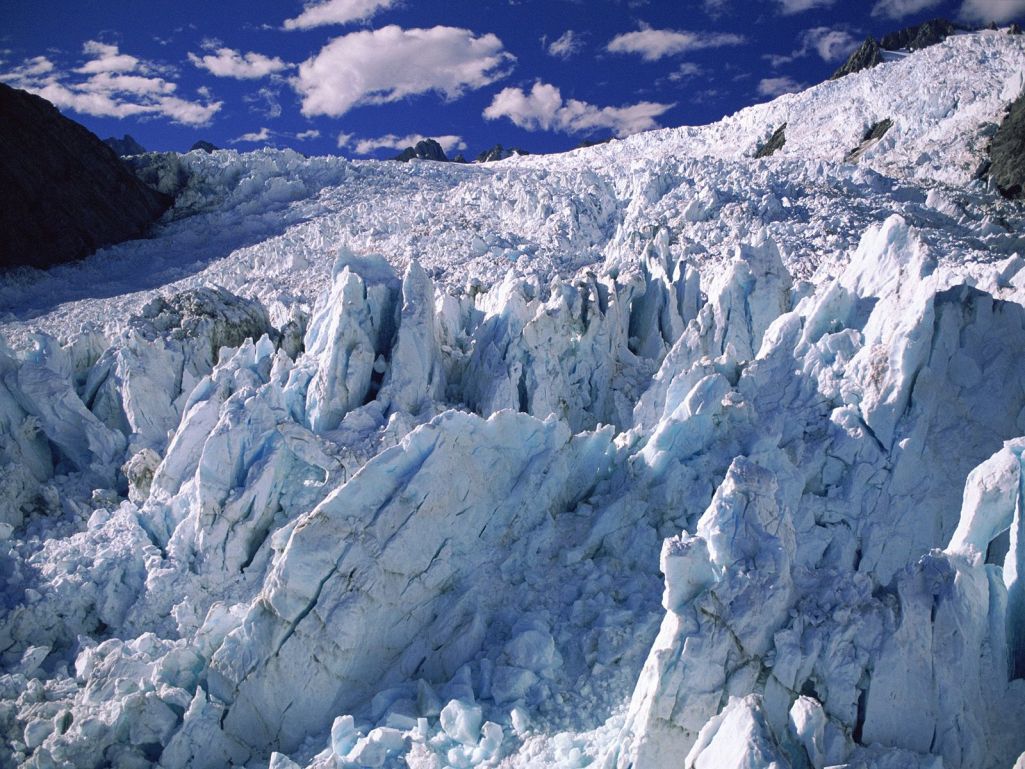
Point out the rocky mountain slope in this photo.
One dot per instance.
(63, 192)
(650, 454)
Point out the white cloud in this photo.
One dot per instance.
(393, 142)
(337, 12)
(544, 109)
(227, 62)
(313, 133)
(118, 86)
(777, 86)
(985, 11)
(898, 9)
(686, 71)
(788, 7)
(262, 135)
(565, 46)
(654, 44)
(264, 102)
(106, 58)
(391, 63)
(830, 44)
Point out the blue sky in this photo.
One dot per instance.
(364, 78)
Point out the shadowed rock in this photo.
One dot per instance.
(428, 149)
(872, 136)
(125, 146)
(1007, 152)
(63, 192)
(775, 143)
(908, 39)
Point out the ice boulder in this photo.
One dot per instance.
(140, 384)
(393, 574)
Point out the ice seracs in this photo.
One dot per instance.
(649, 455)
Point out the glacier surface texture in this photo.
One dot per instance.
(645, 456)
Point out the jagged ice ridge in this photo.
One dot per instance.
(646, 455)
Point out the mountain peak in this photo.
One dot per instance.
(425, 149)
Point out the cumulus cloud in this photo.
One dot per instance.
(313, 133)
(985, 11)
(118, 86)
(653, 44)
(106, 58)
(545, 109)
(337, 12)
(227, 62)
(777, 86)
(391, 63)
(565, 46)
(394, 142)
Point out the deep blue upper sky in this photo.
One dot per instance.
(360, 77)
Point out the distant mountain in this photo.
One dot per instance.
(125, 146)
(428, 149)
(912, 38)
(63, 192)
(498, 152)
(205, 146)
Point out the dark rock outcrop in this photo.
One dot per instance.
(918, 37)
(498, 152)
(63, 192)
(866, 57)
(1014, 29)
(908, 39)
(775, 143)
(205, 146)
(1007, 152)
(125, 146)
(428, 149)
(872, 136)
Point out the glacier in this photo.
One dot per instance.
(650, 454)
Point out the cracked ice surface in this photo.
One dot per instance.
(647, 455)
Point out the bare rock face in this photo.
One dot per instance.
(774, 144)
(63, 192)
(1007, 152)
(912, 38)
(428, 149)
(126, 146)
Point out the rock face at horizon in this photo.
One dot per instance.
(63, 192)
(205, 146)
(498, 152)
(913, 38)
(428, 149)
(125, 146)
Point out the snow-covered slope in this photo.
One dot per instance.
(647, 455)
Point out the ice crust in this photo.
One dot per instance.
(645, 456)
